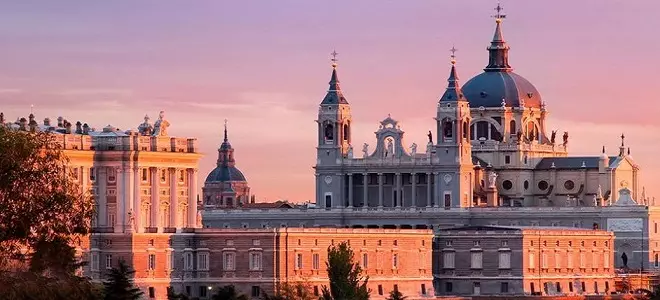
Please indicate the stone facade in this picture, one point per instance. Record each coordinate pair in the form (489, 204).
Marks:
(499, 260)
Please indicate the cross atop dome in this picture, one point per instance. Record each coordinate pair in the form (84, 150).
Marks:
(334, 58)
(453, 54)
(499, 15)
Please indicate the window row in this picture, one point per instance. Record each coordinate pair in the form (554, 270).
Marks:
(203, 261)
(364, 261)
(565, 259)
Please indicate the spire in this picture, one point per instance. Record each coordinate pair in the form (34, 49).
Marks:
(622, 149)
(334, 95)
(225, 142)
(498, 51)
(226, 139)
(453, 91)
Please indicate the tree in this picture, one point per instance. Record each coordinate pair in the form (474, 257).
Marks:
(346, 280)
(396, 295)
(292, 291)
(228, 292)
(119, 285)
(40, 201)
(172, 295)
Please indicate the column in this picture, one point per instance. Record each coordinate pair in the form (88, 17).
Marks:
(174, 197)
(380, 190)
(102, 190)
(365, 190)
(429, 195)
(138, 225)
(398, 190)
(413, 178)
(350, 190)
(120, 198)
(155, 198)
(436, 182)
(192, 198)
(84, 177)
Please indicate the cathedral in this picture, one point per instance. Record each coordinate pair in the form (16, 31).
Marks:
(490, 160)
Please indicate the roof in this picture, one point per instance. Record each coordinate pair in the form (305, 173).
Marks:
(489, 88)
(334, 95)
(225, 173)
(574, 162)
(519, 228)
(276, 204)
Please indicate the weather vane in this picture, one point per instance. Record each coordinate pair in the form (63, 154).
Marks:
(453, 54)
(334, 57)
(499, 15)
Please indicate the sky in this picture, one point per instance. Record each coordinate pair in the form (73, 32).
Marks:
(264, 66)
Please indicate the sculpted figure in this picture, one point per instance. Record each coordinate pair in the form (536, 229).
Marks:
(350, 151)
(199, 219)
(430, 135)
(492, 179)
(565, 138)
(553, 136)
(390, 147)
(131, 219)
(160, 128)
(413, 150)
(365, 150)
(519, 135)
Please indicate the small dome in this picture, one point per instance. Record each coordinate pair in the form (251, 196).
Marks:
(489, 88)
(224, 174)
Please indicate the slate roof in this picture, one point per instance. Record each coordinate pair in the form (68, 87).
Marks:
(225, 173)
(489, 88)
(573, 162)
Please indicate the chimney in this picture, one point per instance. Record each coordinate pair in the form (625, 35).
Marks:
(79, 128)
(85, 129)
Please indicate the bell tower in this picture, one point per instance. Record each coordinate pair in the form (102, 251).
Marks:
(453, 147)
(334, 141)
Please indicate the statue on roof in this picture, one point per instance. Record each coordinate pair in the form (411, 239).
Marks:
(145, 128)
(413, 149)
(565, 138)
(350, 151)
(365, 150)
(430, 135)
(160, 127)
(492, 179)
(390, 148)
(553, 136)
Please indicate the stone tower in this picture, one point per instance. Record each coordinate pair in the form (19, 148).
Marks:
(334, 142)
(453, 148)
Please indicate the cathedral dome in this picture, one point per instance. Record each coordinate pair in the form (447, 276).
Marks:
(488, 89)
(224, 174)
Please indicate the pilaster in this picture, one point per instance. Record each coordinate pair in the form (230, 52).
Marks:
(102, 196)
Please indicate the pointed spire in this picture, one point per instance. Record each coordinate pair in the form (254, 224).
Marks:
(622, 148)
(226, 139)
(603, 149)
(334, 95)
(225, 142)
(453, 92)
(498, 51)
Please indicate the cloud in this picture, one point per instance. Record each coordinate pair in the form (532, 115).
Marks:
(95, 92)
(10, 91)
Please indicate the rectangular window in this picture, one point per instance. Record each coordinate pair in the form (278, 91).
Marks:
(316, 290)
(449, 287)
(203, 291)
(145, 174)
(255, 261)
(569, 260)
(544, 260)
(505, 260)
(189, 261)
(111, 175)
(95, 261)
(449, 260)
(583, 260)
(558, 286)
(328, 201)
(163, 175)
(202, 261)
(108, 261)
(256, 291)
(423, 289)
(111, 219)
(504, 287)
(507, 159)
(299, 261)
(447, 200)
(532, 260)
(395, 261)
(152, 261)
(316, 261)
(365, 260)
(169, 261)
(476, 288)
(380, 289)
(584, 287)
(594, 260)
(606, 259)
(92, 174)
(570, 287)
(557, 260)
(477, 260)
(228, 263)
(152, 292)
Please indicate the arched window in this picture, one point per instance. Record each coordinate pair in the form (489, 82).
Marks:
(494, 133)
(346, 132)
(512, 127)
(482, 129)
(447, 130)
(466, 129)
(329, 132)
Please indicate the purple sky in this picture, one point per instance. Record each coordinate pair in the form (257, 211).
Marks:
(264, 65)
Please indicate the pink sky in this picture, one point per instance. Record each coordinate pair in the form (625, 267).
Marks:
(264, 66)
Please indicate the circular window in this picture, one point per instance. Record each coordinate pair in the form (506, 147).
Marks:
(543, 185)
(507, 184)
(526, 184)
(569, 184)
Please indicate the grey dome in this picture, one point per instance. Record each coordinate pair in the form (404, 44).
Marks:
(489, 88)
(224, 174)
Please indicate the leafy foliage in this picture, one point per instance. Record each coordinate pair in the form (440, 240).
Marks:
(293, 291)
(346, 280)
(228, 293)
(40, 201)
(172, 295)
(396, 295)
(119, 285)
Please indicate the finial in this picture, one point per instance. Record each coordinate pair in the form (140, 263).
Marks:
(499, 16)
(453, 54)
(334, 58)
(623, 137)
(226, 130)
(603, 149)
(31, 108)
(628, 151)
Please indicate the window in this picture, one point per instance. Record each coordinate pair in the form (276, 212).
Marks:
(395, 243)
(449, 287)
(380, 289)
(448, 243)
(328, 201)
(476, 288)
(395, 261)
(202, 261)
(505, 244)
(507, 184)
(152, 261)
(570, 287)
(596, 287)
(315, 261)
(95, 261)
(92, 174)
(507, 159)
(558, 285)
(526, 185)
(365, 260)
(447, 200)
(111, 175)
(299, 261)
(182, 175)
(111, 219)
(145, 175)
(607, 287)
(584, 286)
(505, 260)
(606, 260)
(544, 260)
(152, 292)
(449, 260)
(532, 260)
(228, 262)
(557, 260)
(569, 185)
(423, 289)
(255, 261)
(477, 259)
(108, 261)
(543, 185)
(316, 290)
(531, 288)
(256, 291)
(655, 260)
(594, 260)
(504, 287)
(169, 260)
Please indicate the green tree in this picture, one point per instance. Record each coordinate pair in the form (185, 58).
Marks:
(119, 285)
(40, 201)
(396, 295)
(293, 291)
(346, 280)
(228, 292)
(172, 295)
